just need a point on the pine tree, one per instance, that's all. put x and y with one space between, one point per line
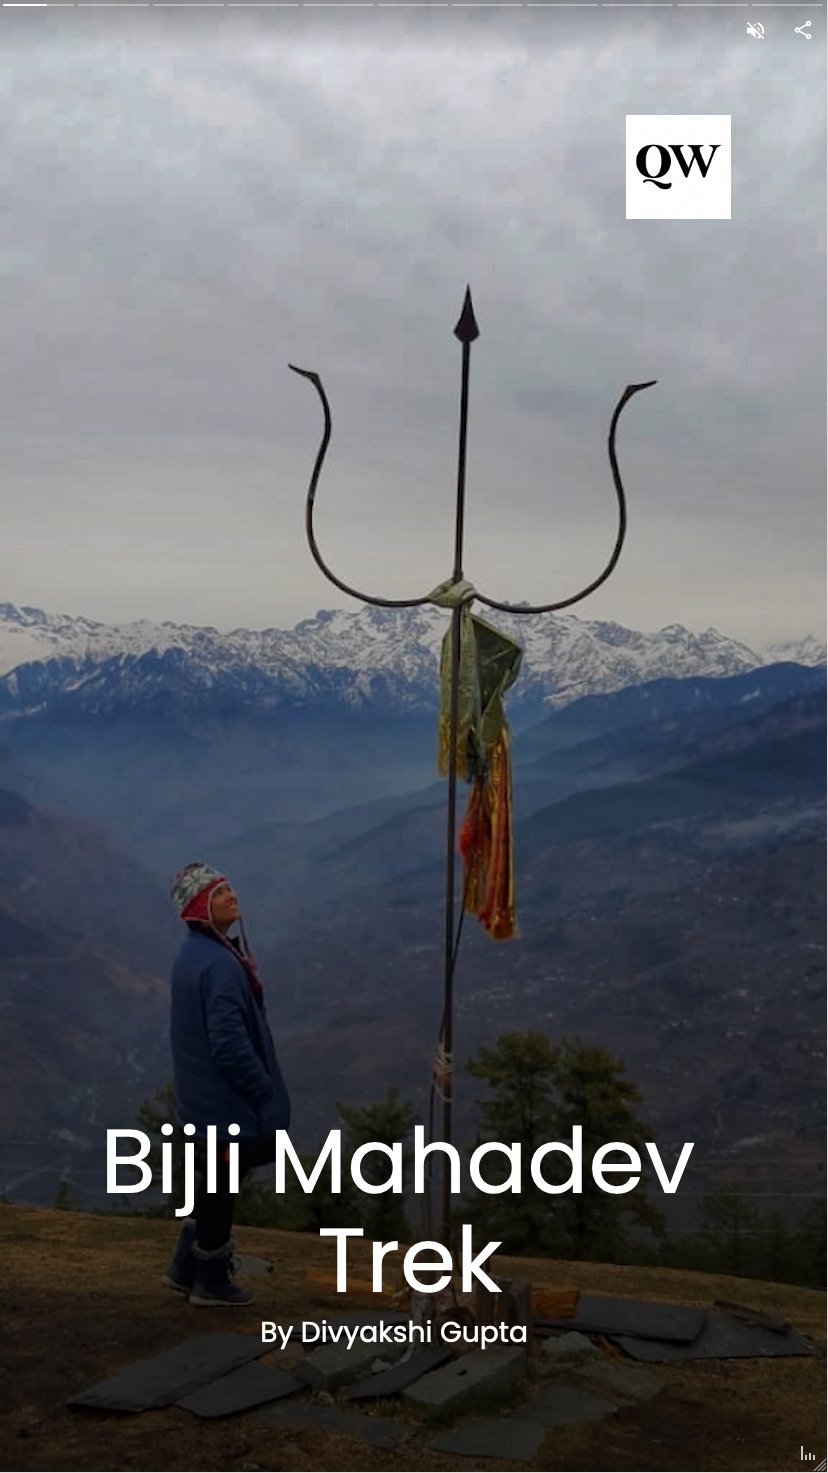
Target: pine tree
777 1250
63 1199
520 1072
730 1226
734 1236
809 1246
539 1091
594 1092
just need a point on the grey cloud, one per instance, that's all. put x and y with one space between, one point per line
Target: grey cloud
181 221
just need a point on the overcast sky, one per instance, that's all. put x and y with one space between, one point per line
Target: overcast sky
189 205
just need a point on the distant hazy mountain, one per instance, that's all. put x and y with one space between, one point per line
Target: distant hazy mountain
678 919
808 651
620 743
383 658
176 736
670 863
62 872
86 937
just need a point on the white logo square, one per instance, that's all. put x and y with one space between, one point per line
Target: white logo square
678 167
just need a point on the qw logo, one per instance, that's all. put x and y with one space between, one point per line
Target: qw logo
665 158
686 180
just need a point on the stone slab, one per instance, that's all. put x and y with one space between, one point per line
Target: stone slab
249 1386
571 1346
395 1380
480 1373
723 1337
625 1384
563 1406
376 1431
251 1267
330 1366
167 1378
496 1437
753 1316
602 1314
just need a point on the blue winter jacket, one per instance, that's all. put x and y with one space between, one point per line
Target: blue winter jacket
225 1065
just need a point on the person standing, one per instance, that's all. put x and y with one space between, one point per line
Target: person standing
226 1073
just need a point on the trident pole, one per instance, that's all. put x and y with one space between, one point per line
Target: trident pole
466 331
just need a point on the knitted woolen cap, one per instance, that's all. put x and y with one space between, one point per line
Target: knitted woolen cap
191 881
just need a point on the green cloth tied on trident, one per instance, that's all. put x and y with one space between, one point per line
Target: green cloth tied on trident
489 665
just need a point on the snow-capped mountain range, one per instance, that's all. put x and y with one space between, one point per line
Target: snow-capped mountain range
368 656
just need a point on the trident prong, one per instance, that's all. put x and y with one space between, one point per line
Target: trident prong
492 603
565 603
466 331
366 598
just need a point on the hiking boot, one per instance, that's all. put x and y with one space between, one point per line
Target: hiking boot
213 1279
180 1269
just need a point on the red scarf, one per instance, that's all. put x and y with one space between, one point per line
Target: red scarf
246 958
251 974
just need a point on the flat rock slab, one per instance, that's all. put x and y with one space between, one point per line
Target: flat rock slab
249 1386
496 1437
331 1366
395 1380
601 1314
572 1346
251 1266
752 1316
563 1406
376 1431
625 1384
480 1373
167 1378
723 1337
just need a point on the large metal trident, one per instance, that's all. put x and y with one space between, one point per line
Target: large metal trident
466 330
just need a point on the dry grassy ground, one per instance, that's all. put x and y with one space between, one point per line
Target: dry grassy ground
81 1298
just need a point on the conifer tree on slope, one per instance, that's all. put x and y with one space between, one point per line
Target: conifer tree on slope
538 1092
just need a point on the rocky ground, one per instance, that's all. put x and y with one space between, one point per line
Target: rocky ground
82 1299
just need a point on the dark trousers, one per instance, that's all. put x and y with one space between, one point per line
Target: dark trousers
213 1211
